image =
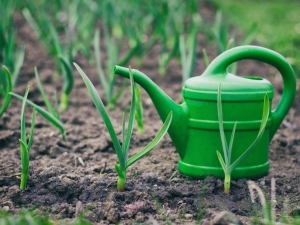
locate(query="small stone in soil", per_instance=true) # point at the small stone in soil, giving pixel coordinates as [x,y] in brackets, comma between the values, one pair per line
[5,208]
[12,191]
[188,216]
[224,218]
[140,218]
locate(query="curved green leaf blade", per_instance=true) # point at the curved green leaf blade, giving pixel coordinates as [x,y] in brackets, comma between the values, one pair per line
[153,143]
[222,162]
[18,64]
[102,77]
[221,127]
[7,97]
[24,163]
[102,111]
[231,142]
[23,126]
[131,116]
[68,75]
[123,130]
[24,157]
[31,133]
[266,110]
[49,117]
[44,96]
[139,110]
[68,83]
[205,57]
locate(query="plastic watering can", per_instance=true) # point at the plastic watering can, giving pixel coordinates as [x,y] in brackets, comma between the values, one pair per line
[194,129]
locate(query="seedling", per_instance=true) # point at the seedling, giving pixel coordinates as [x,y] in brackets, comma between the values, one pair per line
[122,149]
[68,83]
[52,115]
[11,54]
[6,88]
[227,166]
[24,145]
[45,30]
[226,39]
[139,110]
[188,50]
[205,58]
[108,78]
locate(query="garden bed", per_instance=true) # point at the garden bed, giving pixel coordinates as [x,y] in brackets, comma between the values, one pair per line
[77,176]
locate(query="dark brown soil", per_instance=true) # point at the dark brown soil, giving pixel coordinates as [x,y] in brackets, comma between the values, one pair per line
[77,176]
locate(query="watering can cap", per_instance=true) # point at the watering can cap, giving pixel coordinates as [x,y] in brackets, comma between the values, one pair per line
[233,88]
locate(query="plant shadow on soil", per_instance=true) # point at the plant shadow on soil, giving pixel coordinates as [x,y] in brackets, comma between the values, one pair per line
[77,176]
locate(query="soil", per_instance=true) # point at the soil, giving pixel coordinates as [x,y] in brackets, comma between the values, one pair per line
[77,176]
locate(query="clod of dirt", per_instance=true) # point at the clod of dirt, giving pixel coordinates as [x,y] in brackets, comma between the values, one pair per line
[225,218]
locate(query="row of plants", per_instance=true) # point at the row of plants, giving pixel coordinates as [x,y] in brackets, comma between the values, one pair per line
[114,29]
[109,29]
[268,212]
[65,35]
[277,24]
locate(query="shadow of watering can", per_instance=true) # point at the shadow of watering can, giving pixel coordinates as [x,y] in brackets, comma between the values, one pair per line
[194,129]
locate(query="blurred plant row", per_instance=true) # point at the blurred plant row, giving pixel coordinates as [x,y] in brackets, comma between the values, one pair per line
[278,24]
[105,35]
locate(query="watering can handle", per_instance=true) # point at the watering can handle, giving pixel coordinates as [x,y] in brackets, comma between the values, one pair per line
[220,64]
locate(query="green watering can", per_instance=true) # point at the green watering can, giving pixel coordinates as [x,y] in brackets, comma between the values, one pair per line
[195,127]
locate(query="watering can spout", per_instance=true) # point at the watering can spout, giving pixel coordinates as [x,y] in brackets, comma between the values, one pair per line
[163,104]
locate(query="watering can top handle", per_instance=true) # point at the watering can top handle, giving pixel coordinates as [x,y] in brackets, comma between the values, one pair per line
[220,64]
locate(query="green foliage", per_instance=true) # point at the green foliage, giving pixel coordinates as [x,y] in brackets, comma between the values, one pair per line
[188,49]
[108,80]
[122,149]
[227,165]
[24,217]
[62,53]
[31,217]
[11,55]
[139,109]
[68,83]
[5,87]
[24,145]
[226,39]
[277,24]
[52,115]
[173,21]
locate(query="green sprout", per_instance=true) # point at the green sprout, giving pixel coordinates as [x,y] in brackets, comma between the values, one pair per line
[108,78]
[11,54]
[226,39]
[24,145]
[52,115]
[122,150]
[139,110]
[68,83]
[227,166]
[205,58]
[188,49]
[62,53]
[6,88]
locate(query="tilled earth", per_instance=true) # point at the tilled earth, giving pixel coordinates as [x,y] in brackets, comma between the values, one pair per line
[77,176]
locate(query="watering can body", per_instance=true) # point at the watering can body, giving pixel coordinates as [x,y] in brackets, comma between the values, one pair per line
[195,127]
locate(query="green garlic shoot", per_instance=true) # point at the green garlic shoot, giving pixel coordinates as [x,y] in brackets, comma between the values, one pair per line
[227,166]
[24,145]
[53,115]
[68,83]
[7,87]
[139,110]
[122,149]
